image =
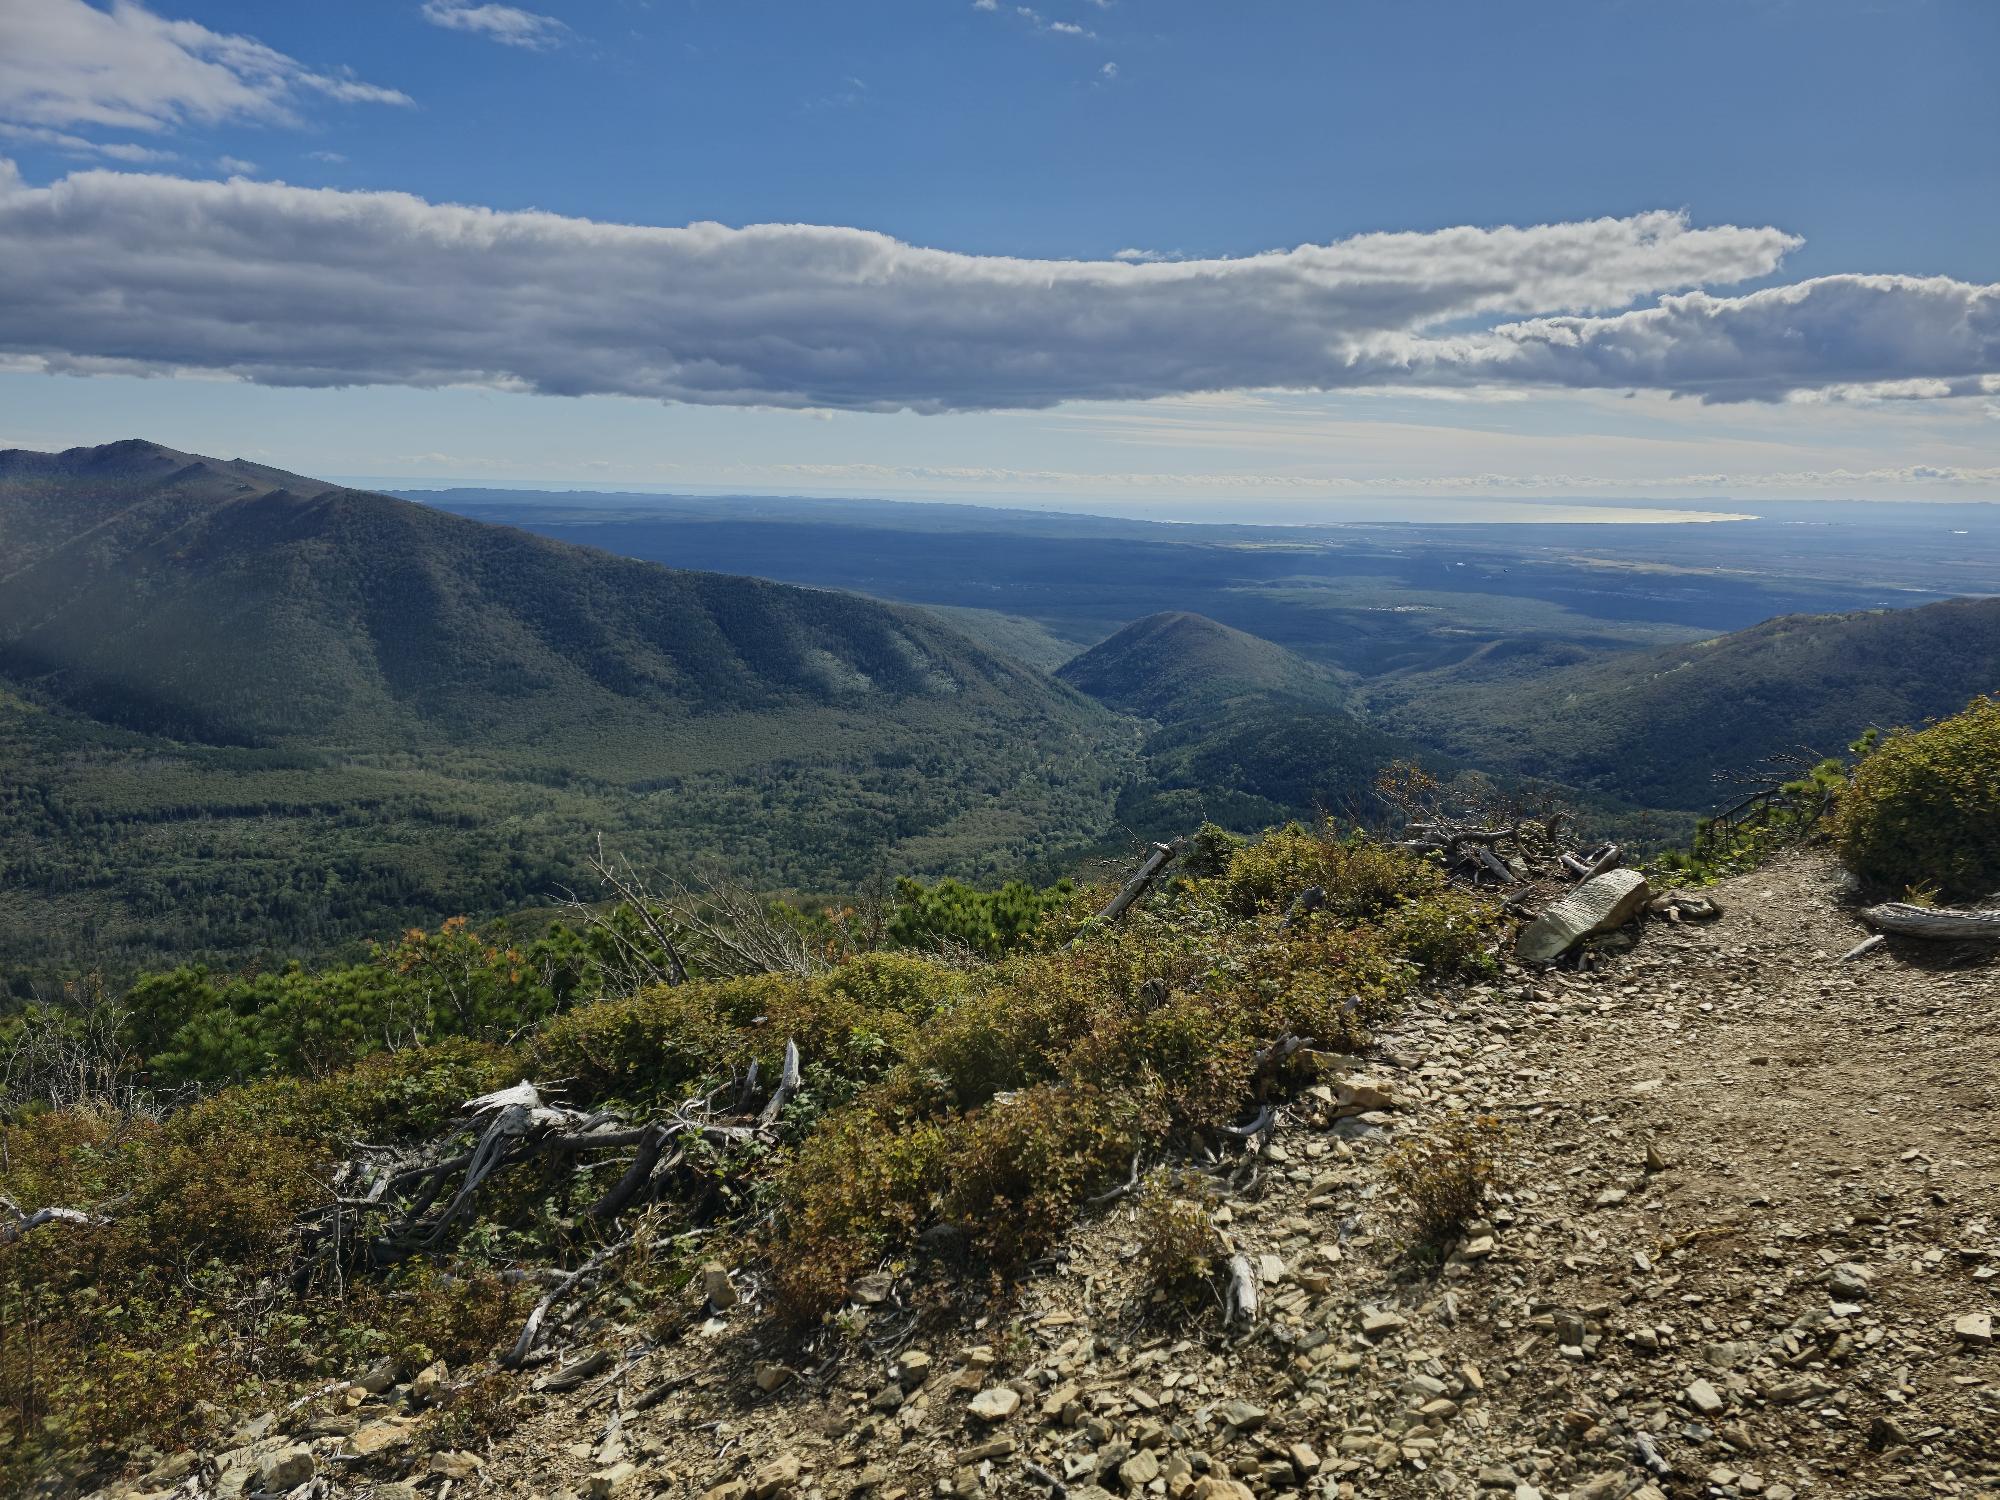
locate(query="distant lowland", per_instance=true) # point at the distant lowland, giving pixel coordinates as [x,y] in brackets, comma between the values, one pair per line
[249,715]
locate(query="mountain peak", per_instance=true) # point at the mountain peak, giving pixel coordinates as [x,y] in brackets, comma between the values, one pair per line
[1171,664]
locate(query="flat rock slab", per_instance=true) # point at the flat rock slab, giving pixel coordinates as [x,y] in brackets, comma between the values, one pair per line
[1598,905]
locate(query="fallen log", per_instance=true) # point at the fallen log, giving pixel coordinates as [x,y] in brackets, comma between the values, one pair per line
[1239,1302]
[1129,1185]
[1607,859]
[1142,879]
[531,1332]
[1938,923]
[26,1222]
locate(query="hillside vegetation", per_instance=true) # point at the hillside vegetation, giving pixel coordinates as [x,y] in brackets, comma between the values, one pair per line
[983,1101]
[1922,812]
[243,710]
[1655,726]
[1245,733]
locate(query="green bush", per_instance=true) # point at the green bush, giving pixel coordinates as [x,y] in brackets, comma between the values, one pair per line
[652,1045]
[1442,1177]
[857,1188]
[1023,1165]
[1923,811]
[1178,1245]
[990,923]
[198,1027]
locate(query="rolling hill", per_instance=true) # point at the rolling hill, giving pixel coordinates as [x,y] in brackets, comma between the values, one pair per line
[248,705]
[1245,733]
[1171,665]
[1653,726]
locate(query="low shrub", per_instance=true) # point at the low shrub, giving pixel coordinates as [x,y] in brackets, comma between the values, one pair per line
[856,1189]
[1924,809]
[1443,1176]
[651,1045]
[1359,877]
[1022,1166]
[1178,1246]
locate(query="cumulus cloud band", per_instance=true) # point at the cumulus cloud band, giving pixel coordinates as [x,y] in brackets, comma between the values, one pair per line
[145,273]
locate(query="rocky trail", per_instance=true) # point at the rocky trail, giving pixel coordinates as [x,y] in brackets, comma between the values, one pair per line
[1748,1244]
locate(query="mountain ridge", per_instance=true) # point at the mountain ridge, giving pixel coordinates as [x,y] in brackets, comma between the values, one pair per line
[260,712]
[1655,725]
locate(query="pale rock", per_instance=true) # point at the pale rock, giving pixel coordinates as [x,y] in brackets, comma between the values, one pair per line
[1975,1328]
[1361,1094]
[1140,1470]
[770,1377]
[453,1465]
[775,1478]
[995,1404]
[378,1377]
[428,1383]
[377,1437]
[1704,1398]
[1241,1416]
[286,1469]
[1598,905]
[612,1483]
[716,1285]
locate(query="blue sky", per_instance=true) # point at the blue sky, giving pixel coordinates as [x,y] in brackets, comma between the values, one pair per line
[1837,156]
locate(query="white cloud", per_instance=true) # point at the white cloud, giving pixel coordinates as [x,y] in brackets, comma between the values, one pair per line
[1887,337]
[332,158]
[76,145]
[236,166]
[1554,483]
[1040,22]
[65,63]
[506,24]
[1109,70]
[120,272]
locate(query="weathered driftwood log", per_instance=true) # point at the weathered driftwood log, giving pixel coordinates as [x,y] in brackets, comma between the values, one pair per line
[22,1222]
[1129,1185]
[1239,1301]
[531,1332]
[1265,1118]
[1942,923]
[1142,879]
[788,1085]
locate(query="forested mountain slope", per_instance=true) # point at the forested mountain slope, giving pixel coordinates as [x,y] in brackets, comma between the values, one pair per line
[252,708]
[1246,733]
[1168,666]
[1654,726]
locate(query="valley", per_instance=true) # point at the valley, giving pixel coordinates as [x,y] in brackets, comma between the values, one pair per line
[250,716]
